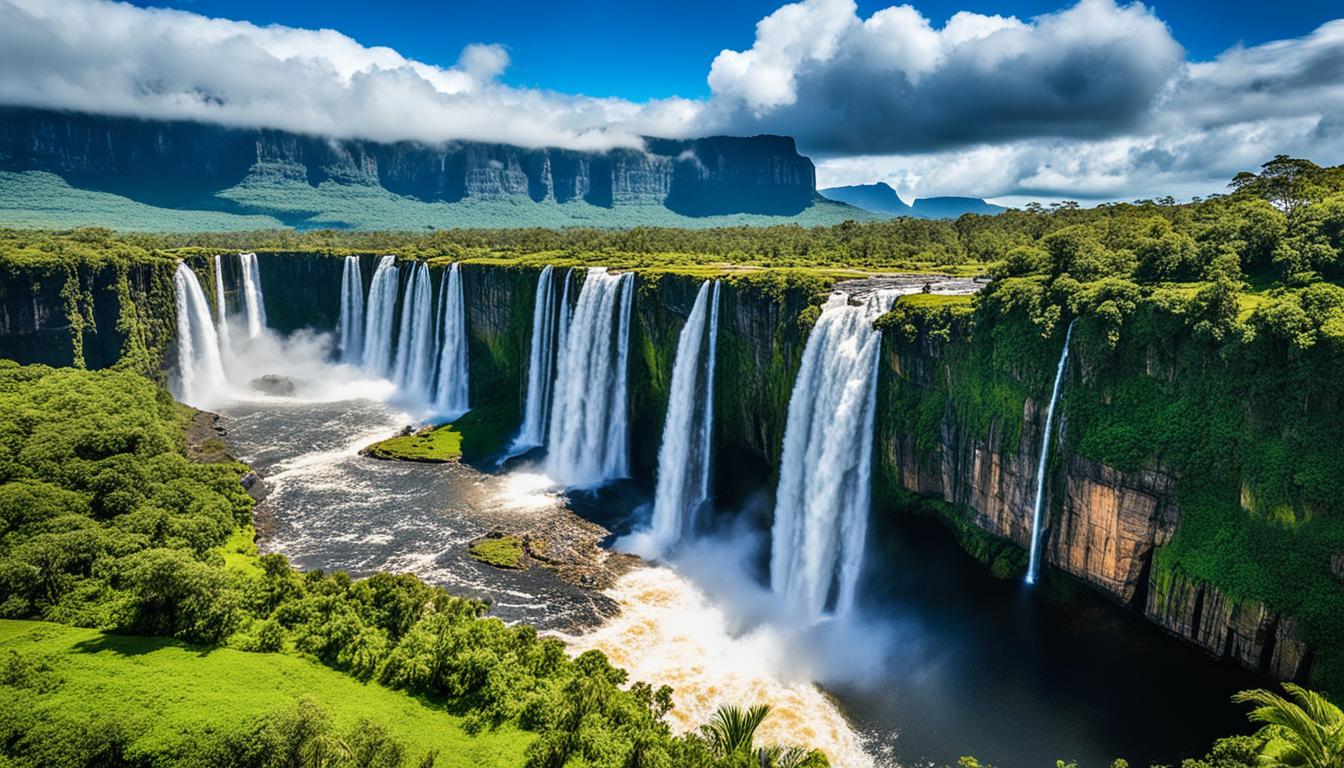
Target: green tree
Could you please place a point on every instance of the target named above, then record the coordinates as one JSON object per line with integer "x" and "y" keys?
{"x": 1302, "y": 730}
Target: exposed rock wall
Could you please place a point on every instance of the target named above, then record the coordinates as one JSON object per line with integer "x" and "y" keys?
{"x": 168, "y": 163}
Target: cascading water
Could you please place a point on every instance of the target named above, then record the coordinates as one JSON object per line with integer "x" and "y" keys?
{"x": 589, "y": 426}
{"x": 450, "y": 399}
{"x": 199, "y": 368}
{"x": 350, "y": 326}
{"x": 683, "y": 459}
{"x": 380, "y": 316}
{"x": 414, "y": 366}
{"x": 221, "y": 314}
{"x": 821, "y": 507}
{"x": 253, "y": 305}
{"x": 540, "y": 363}
{"x": 1033, "y": 568}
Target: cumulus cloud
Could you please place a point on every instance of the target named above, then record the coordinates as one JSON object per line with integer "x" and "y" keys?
{"x": 1094, "y": 101}
{"x": 893, "y": 83}
{"x": 105, "y": 57}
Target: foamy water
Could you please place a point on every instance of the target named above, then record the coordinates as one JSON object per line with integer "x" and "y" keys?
{"x": 670, "y": 633}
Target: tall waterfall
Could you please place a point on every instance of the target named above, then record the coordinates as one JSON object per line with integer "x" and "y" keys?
{"x": 253, "y": 304}
{"x": 380, "y": 317}
{"x": 350, "y": 326}
{"x": 589, "y": 427}
{"x": 413, "y": 370}
{"x": 199, "y": 368}
{"x": 821, "y": 508}
{"x": 450, "y": 399}
{"x": 540, "y": 365}
{"x": 221, "y": 313}
{"x": 1033, "y": 567}
{"x": 683, "y": 459}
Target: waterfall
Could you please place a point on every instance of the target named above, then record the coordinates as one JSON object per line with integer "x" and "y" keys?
{"x": 1033, "y": 568}
{"x": 253, "y": 303}
{"x": 414, "y": 365}
{"x": 821, "y": 507}
{"x": 199, "y": 368}
{"x": 380, "y": 316}
{"x": 539, "y": 366}
{"x": 350, "y": 327}
{"x": 451, "y": 399}
{"x": 683, "y": 459}
{"x": 589, "y": 426}
{"x": 221, "y": 321}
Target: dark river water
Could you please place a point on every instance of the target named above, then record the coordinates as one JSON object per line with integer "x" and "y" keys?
{"x": 967, "y": 665}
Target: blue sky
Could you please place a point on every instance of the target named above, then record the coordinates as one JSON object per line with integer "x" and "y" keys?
{"x": 1089, "y": 100}
{"x": 642, "y": 50}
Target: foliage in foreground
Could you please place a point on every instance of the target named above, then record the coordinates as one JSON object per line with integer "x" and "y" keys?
{"x": 105, "y": 524}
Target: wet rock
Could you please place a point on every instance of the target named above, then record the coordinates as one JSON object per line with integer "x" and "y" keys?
{"x": 274, "y": 385}
{"x": 255, "y": 486}
{"x": 1337, "y": 565}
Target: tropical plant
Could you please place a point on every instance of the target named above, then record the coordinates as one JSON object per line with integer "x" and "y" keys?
{"x": 1303, "y": 730}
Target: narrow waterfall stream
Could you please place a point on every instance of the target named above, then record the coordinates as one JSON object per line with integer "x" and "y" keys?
{"x": 380, "y": 317}
{"x": 200, "y": 371}
{"x": 450, "y": 400}
{"x": 414, "y": 362}
{"x": 254, "y": 306}
{"x": 540, "y": 366}
{"x": 221, "y": 311}
{"x": 1033, "y": 567}
{"x": 589, "y": 429}
{"x": 350, "y": 322}
{"x": 684, "y": 457}
{"x": 821, "y": 506}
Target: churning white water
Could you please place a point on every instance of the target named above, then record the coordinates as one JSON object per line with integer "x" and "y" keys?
{"x": 380, "y": 317}
{"x": 413, "y": 370}
{"x": 589, "y": 429}
{"x": 821, "y": 507}
{"x": 540, "y": 366}
{"x": 450, "y": 400}
{"x": 254, "y": 306}
{"x": 670, "y": 633}
{"x": 350, "y": 324}
{"x": 200, "y": 370}
{"x": 1033, "y": 567}
{"x": 683, "y": 458}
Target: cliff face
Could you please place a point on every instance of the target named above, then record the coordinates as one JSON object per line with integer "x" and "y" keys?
{"x": 964, "y": 431}
{"x": 174, "y": 164}
{"x": 87, "y": 315}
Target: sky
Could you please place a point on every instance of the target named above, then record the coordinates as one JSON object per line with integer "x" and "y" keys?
{"x": 1090, "y": 100}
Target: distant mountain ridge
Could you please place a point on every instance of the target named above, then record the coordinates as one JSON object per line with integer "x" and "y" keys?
{"x": 52, "y": 163}
{"x": 880, "y": 198}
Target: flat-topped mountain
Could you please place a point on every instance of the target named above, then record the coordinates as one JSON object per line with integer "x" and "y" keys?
{"x": 140, "y": 174}
{"x": 880, "y": 198}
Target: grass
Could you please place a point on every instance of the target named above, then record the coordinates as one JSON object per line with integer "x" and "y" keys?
{"x": 240, "y": 551}
{"x": 935, "y": 300}
{"x": 485, "y": 431}
{"x": 436, "y": 445}
{"x": 165, "y": 693}
{"x": 499, "y": 551}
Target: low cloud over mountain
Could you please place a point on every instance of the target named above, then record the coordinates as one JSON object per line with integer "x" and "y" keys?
{"x": 1096, "y": 101}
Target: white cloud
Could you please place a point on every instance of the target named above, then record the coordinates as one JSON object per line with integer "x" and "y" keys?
{"x": 105, "y": 57}
{"x": 1095, "y": 101}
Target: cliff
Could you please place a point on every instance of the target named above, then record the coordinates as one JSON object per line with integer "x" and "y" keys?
{"x": 1163, "y": 487}
{"x": 309, "y": 180}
